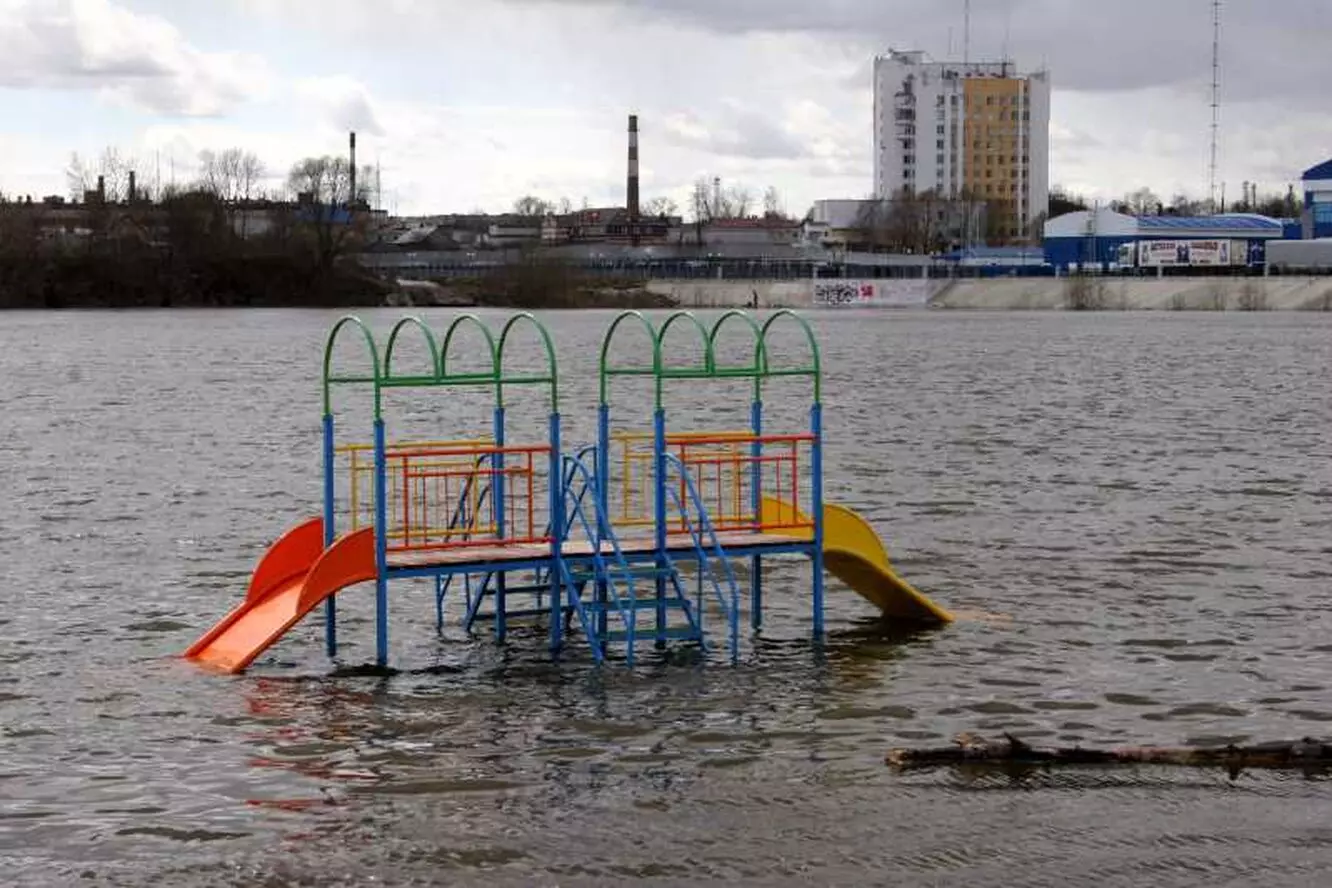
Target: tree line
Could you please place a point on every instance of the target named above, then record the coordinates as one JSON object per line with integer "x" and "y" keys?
{"x": 707, "y": 203}
{"x": 220, "y": 237}
{"x": 1145, "y": 202}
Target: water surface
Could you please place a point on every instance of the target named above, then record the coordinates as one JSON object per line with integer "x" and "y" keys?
{"x": 1147, "y": 499}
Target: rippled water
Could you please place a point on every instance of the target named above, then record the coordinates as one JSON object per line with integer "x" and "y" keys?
{"x": 1147, "y": 499}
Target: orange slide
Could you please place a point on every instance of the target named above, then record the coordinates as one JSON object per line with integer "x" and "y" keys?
{"x": 295, "y": 574}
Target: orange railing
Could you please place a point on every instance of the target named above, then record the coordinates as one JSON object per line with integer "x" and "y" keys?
{"x": 724, "y": 469}
{"x": 441, "y": 495}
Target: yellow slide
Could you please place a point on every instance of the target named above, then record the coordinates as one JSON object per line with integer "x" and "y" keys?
{"x": 853, "y": 553}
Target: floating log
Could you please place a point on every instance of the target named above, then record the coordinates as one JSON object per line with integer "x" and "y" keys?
{"x": 973, "y": 750}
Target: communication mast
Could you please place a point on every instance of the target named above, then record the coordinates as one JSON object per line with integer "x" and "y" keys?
{"x": 1216, "y": 99}
{"x": 966, "y": 33}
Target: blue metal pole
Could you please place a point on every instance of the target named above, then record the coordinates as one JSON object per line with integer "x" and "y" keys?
{"x": 557, "y": 532}
{"x": 439, "y": 602}
{"x": 816, "y": 482}
{"x": 330, "y": 533}
{"x": 603, "y": 511}
{"x": 756, "y": 495}
{"x": 659, "y": 460}
{"x": 381, "y": 548}
{"x": 497, "y": 494}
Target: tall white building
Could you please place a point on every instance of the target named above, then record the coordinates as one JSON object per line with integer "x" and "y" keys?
{"x": 974, "y": 129}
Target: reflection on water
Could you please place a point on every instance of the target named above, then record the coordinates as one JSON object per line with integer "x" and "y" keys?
{"x": 1133, "y": 515}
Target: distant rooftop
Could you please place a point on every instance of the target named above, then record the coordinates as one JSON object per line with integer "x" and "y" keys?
{"x": 1322, "y": 171}
{"x": 1224, "y": 222}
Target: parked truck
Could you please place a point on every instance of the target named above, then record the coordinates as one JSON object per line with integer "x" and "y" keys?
{"x": 1300, "y": 255}
{"x": 1179, "y": 253}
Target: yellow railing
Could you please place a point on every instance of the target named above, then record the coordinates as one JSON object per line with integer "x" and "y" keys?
{"x": 722, "y": 467}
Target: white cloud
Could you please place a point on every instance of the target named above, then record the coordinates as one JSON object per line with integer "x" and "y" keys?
{"x": 471, "y": 104}
{"x": 342, "y": 101}
{"x": 136, "y": 59}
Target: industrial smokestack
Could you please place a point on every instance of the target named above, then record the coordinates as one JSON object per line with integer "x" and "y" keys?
{"x": 631, "y": 198}
{"x": 101, "y": 189}
{"x": 130, "y": 197}
{"x": 351, "y": 194}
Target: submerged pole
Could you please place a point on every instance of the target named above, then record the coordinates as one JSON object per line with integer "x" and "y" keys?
{"x": 330, "y": 534}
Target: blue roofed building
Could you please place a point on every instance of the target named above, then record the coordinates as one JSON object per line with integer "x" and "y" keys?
{"x": 1094, "y": 237}
{"x": 1317, "y": 182}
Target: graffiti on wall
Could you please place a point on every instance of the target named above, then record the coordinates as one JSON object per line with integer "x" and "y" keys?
{"x": 897, "y": 293}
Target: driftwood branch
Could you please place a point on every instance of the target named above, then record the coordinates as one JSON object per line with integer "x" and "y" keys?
{"x": 972, "y": 750}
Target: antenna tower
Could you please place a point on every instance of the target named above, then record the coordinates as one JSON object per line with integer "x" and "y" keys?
{"x": 1216, "y": 99}
{"x": 966, "y": 33}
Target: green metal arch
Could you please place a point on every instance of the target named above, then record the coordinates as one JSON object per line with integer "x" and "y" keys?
{"x": 607, "y": 371}
{"x": 709, "y": 359}
{"x": 445, "y": 351}
{"x": 815, "y": 368}
{"x": 760, "y": 366}
{"x": 429, "y": 338}
{"x": 376, "y": 377}
{"x": 553, "y": 379}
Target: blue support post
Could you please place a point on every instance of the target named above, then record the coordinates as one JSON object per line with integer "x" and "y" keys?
{"x": 659, "y": 518}
{"x": 816, "y": 482}
{"x": 381, "y": 548}
{"x": 497, "y": 494}
{"x": 439, "y": 603}
{"x": 756, "y": 496}
{"x": 603, "y": 510}
{"x": 330, "y": 534}
{"x": 557, "y": 532}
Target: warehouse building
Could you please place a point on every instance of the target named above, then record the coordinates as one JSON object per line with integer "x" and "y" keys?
{"x": 1093, "y": 238}
{"x": 1317, "y": 183}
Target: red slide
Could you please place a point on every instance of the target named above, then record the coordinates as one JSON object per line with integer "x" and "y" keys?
{"x": 295, "y": 574}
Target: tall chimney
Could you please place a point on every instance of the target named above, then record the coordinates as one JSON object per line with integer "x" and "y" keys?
{"x": 130, "y": 197}
{"x": 351, "y": 193}
{"x": 101, "y": 189}
{"x": 631, "y": 198}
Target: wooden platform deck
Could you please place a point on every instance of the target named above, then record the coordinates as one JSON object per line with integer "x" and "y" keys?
{"x": 463, "y": 556}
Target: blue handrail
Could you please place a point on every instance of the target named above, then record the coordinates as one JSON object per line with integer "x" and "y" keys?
{"x": 730, "y": 608}
{"x": 442, "y": 588}
{"x": 577, "y": 468}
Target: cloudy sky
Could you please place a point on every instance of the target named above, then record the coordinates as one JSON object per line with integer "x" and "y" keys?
{"x": 468, "y": 104}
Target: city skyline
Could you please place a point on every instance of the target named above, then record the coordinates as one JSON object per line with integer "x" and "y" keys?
{"x": 468, "y": 106}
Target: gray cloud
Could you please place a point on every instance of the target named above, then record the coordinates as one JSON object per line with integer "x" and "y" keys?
{"x": 736, "y": 132}
{"x": 1270, "y": 50}
{"x": 98, "y": 45}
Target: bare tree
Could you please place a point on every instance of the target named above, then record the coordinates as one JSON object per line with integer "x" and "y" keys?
{"x": 531, "y": 206}
{"x": 566, "y": 206}
{"x": 660, "y": 206}
{"x": 701, "y": 207}
{"x": 1143, "y": 202}
{"x": 737, "y": 202}
{"x": 772, "y": 203}
{"x": 322, "y": 186}
{"x": 114, "y": 168}
{"x": 232, "y": 176}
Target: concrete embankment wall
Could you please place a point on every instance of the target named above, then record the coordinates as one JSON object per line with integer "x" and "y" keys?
{"x": 734, "y": 294}
{"x": 887, "y": 292}
{"x": 1192, "y": 294}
